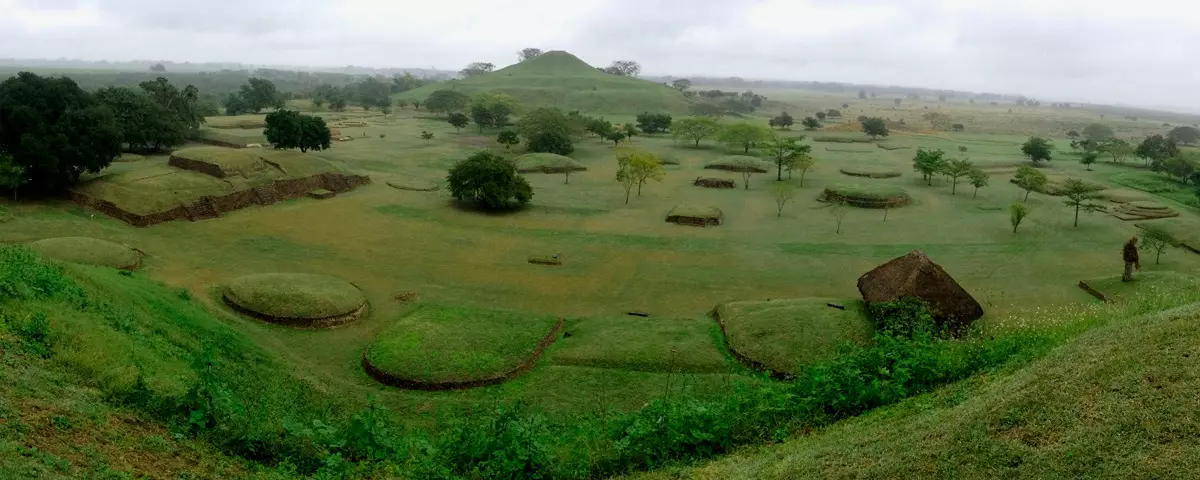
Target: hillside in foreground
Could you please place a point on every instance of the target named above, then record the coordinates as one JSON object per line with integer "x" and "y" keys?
{"x": 1117, "y": 402}
{"x": 559, "y": 79}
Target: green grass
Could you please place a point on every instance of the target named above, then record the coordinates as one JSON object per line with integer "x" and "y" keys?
{"x": 642, "y": 344}
{"x": 559, "y": 79}
{"x": 1159, "y": 185}
{"x": 248, "y": 122}
{"x": 546, "y": 163}
{"x": 833, "y": 139}
{"x": 446, "y": 343}
{"x": 294, "y": 295}
{"x": 870, "y": 172}
{"x": 876, "y": 192}
{"x": 86, "y": 250}
{"x": 785, "y": 335}
{"x": 230, "y": 138}
{"x": 738, "y": 162}
{"x": 1147, "y": 284}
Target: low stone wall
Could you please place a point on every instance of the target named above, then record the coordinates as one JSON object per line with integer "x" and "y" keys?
{"x": 197, "y": 166}
{"x": 411, "y": 384}
{"x": 285, "y": 190}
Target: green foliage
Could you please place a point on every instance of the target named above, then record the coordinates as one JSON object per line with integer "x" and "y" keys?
{"x": 492, "y": 110}
{"x": 550, "y": 142}
{"x": 1037, "y": 149}
{"x": 833, "y": 113}
{"x": 458, "y": 120}
{"x": 508, "y": 442}
{"x": 875, "y": 127}
{"x": 508, "y": 138}
{"x": 1180, "y": 167}
{"x": 810, "y": 123}
{"x": 929, "y": 163}
{"x": 783, "y": 121}
{"x": 1016, "y": 213}
{"x": 528, "y": 54}
{"x": 1030, "y": 179}
{"x": 696, "y": 128}
{"x": 654, "y": 122}
{"x": 681, "y": 84}
{"x": 1097, "y": 132}
{"x": 1088, "y": 158}
{"x": 906, "y": 318}
{"x": 447, "y": 101}
{"x": 144, "y": 125}
{"x": 1156, "y": 149}
{"x": 371, "y": 92}
{"x": 978, "y": 179}
{"x": 785, "y": 151}
{"x": 1186, "y": 135}
{"x": 956, "y": 168}
{"x": 12, "y": 176}
{"x": 490, "y": 181}
{"x": 1157, "y": 239}
{"x": 426, "y": 136}
{"x": 476, "y": 69}
{"x": 548, "y": 130}
{"x": 54, "y": 131}
{"x": 287, "y": 129}
{"x": 783, "y": 194}
{"x": 1118, "y": 148}
{"x": 744, "y": 135}
{"x": 821, "y": 116}
{"x": 1081, "y": 195}
{"x": 253, "y": 97}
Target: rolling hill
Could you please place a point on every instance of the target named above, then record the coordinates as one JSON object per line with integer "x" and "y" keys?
{"x": 559, "y": 79}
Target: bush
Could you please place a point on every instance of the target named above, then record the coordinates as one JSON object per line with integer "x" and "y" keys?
{"x": 489, "y": 180}
{"x": 550, "y": 142}
{"x": 905, "y": 318}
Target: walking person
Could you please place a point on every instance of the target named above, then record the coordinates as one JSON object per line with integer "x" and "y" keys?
{"x": 1130, "y": 254}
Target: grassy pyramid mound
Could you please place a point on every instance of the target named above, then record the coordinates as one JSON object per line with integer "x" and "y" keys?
{"x": 559, "y": 79}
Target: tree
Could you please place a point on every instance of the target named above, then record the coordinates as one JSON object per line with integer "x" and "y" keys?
{"x": 508, "y": 138}
{"x": 875, "y": 127}
{"x": 371, "y": 92}
{"x": 804, "y": 163}
{"x": 957, "y": 168}
{"x": 1180, "y": 167}
{"x": 490, "y": 181}
{"x": 290, "y": 129}
{"x": 833, "y": 113}
{"x": 143, "y": 124}
{"x": 550, "y": 142}
{"x": 744, "y": 135}
{"x": 783, "y": 194}
{"x": 548, "y": 130}
{"x": 183, "y": 105}
{"x": 821, "y": 116}
{"x": 599, "y": 127}
{"x": 1016, "y": 213}
{"x": 1037, "y": 149}
{"x": 458, "y": 120}
{"x": 12, "y": 176}
{"x": 426, "y": 136}
{"x": 782, "y": 121}
{"x": 1157, "y": 239}
{"x": 158, "y": 67}
{"x": 447, "y": 101}
{"x": 477, "y": 68}
{"x": 1072, "y": 134}
{"x": 938, "y": 121}
{"x": 958, "y": 127}
{"x": 528, "y": 54}
{"x": 615, "y": 136}
{"x": 1118, "y": 148}
{"x": 681, "y": 84}
{"x": 1088, "y": 159}
{"x": 257, "y": 94}
{"x": 978, "y": 179}
{"x": 784, "y": 151}
{"x": 1080, "y": 195}
{"x": 653, "y": 122}
{"x": 838, "y": 209}
{"x": 1155, "y": 149}
{"x": 415, "y": 103}
{"x": 624, "y": 68}
{"x": 1098, "y": 132}
{"x": 929, "y": 163}
{"x": 1029, "y": 179}
{"x": 630, "y": 131}
{"x": 747, "y": 166}
{"x": 54, "y": 131}
{"x": 696, "y": 128}
{"x": 1185, "y": 135}
{"x": 810, "y": 123}
{"x": 641, "y": 166}
{"x": 492, "y": 110}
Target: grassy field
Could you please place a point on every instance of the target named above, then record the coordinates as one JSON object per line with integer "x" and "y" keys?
{"x": 786, "y": 335}
{"x": 90, "y": 251}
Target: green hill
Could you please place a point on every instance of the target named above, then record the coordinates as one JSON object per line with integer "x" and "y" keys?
{"x": 559, "y": 79}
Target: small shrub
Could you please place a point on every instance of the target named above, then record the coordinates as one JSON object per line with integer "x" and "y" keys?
{"x": 34, "y": 333}
{"x": 907, "y": 317}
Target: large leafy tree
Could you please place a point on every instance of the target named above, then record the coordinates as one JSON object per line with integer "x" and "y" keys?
{"x": 956, "y": 168}
{"x": 548, "y": 130}
{"x": 458, "y": 121}
{"x": 54, "y": 131}
{"x": 290, "y": 129}
{"x": 696, "y": 128}
{"x": 492, "y": 110}
{"x": 681, "y": 84}
{"x": 783, "y": 121}
{"x": 490, "y": 181}
{"x": 785, "y": 151}
{"x": 1117, "y": 148}
{"x": 1029, "y": 179}
{"x": 875, "y": 127}
{"x": 508, "y": 138}
{"x": 253, "y": 97}
{"x": 477, "y": 68}
{"x": 1037, "y": 149}
{"x": 183, "y": 104}
{"x": 810, "y": 123}
{"x": 978, "y": 179}
{"x": 745, "y": 135}
{"x": 929, "y": 163}
{"x": 1155, "y": 149}
{"x": 624, "y": 68}
{"x": 636, "y": 167}
{"x": 528, "y": 54}
{"x": 653, "y": 122}
{"x": 447, "y": 101}
{"x": 144, "y": 125}
{"x": 1098, "y": 131}
{"x": 1185, "y": 135}
{"x": 372, "y": 93}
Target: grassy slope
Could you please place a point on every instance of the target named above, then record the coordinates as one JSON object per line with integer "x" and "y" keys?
{"x": 294, "y": 295}
{"x": 559, "y": 79}
{"x": 1118, "y": 402}
{"x": 87, "y": 250}
{"x": 788, "y": 334}
{"x": 642, "y": 344}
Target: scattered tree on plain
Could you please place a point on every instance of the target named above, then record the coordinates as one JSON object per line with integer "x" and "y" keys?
{"x": 783, "y": 121}
{"x": 1157, "y": 239}
{"x": 1080, "y": 195}
{"x": 288, "y": 129}
{"x": 1072, "y": 134}
{"x": 681, "y": 84}
{"x": 158, "y": 67}
{"x": 415, "y": 103}
{"x": 528, "y": 54}
{"x": 490, "y": 181}
{"x": 371, "y": 92}
{"x": 476, "y": 69}
{"x": 143, "y": 124}
{"x": 803, "y": 163}
{"x": 1016, "y": 213}
{"x": 744, "y": 135}
{"x": 978, "y": 179}
{"x": 615, "y": 136}
{"x": 962, "y": 148}
{"x": 1098, "y": 131}
{"x": 653, "y": 122}
{"x": 783, "y": 193}
{"x": 696, "y": 128}
{"x": 624, "y": 68}
{"x": 492, "y": 110}
{"x": 636, "y": 167}
{"x": 810, "y": 123}
{"x": 785, "y": 151}
{"x": 547, "y": 130}
{"x": 1088, "y": 159}
{"x": 458, "y": 120}
{"x": 929, "y": 163}
{"x": 257, "y": 94}
{"x": 54, "y": 131}
{"x": 956, "y": 168}
{"x": 1118, "y": 148}
{"x": 838, "y": 209}
{"x": 1156, "y": 149}
{"x": 508, "y": 138}
{"x": 1185, "y": 135}
{"x": 833, "y": 113}
{"x": 426, "y": 136}
{"x": 896, "y": 102}
{"x": 1037, "y": 149}
{"x": 746, "y": 166}
{"x": 630, "y": 131}
{"x": 875, "y": 127}
{"x": 447, "y": 101}
{"x": 1030, "y": 179}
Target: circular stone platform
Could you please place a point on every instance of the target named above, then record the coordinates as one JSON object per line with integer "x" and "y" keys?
{"x": 89, "y": 251}
{"x": 296, "y": 299}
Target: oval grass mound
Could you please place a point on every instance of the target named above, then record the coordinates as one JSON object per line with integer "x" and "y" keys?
{"x": 866, "y": 196}
{"x": 297, "y": 299}
{"x": 90, "y": 251}
{"x": 739, "y": 163}
{"x": 782, "y": 336}
{"x": 547, "y": 163}
{"x": 442, "y": 347}
{"x": 869, "y": 172}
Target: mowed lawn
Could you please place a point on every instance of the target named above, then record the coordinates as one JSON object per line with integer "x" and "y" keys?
{"x": 617, "y": 257}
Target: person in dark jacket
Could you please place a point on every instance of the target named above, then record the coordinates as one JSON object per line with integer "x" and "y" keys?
{"x": 1130, "y": 254}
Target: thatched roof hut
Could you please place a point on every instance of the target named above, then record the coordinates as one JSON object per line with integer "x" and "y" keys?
{"x": 697, "y": 216}
{"x": 916, "y": 276}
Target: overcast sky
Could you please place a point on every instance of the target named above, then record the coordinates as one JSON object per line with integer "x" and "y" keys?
{"x": 1142, "y": 52}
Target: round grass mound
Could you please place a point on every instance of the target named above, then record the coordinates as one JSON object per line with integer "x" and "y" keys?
{"x": 782, "y": 336}
{"x": 90, "y": 251}
{"x": 866, "y": 196}
{"x": 547, "y": 163}
{"x": 869, "y": 172}
{"x": 297, "y": 299}
{"x": 740, "y": 163}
